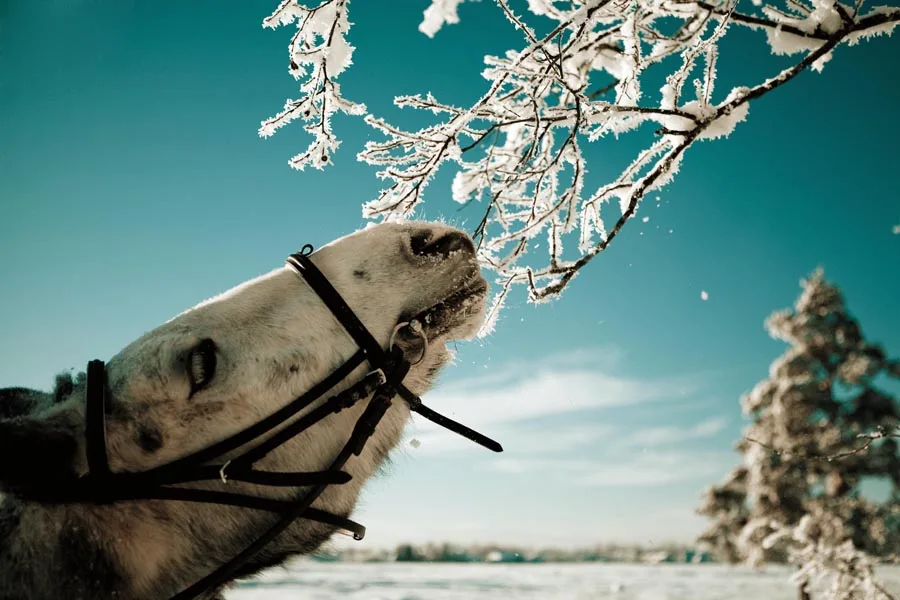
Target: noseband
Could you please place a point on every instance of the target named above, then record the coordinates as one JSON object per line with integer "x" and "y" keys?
{"x": 385, "y": 381}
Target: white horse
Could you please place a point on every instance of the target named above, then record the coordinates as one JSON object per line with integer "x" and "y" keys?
{"x": 206, "y": 374}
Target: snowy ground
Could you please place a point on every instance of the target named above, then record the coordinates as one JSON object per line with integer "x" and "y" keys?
{"x": 405, "y": 581}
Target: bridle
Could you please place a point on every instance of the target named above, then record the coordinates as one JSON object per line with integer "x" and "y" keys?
{"x": 385, "y": 381}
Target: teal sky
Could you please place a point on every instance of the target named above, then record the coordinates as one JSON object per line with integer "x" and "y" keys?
{"x": 133, "y": 185}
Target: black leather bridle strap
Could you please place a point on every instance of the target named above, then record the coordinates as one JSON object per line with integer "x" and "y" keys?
{"x": 110, "y": 487}
{"x": 95, "y": 421}
{"x": 240, "y": 469}
{"x": 272, "y": 505}
{"x": 364, "y": 428}
{"x": 308, "y": 271}
{"x": 335, "y": 405}
{"x": 262, "y": 427}
{"x": 416, "y": 406}
{"x": 227, "y": 473}
{"x": 311, "y": 274}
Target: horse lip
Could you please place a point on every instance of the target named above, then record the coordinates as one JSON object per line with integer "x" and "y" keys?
{"x": 438, "y": 318}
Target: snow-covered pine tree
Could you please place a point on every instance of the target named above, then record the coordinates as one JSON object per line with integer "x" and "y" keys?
{"x": 726, "y": 506}
{"x": 822, "y": 424}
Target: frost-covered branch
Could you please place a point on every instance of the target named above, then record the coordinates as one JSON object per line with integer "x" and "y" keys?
{"x": 520, "y": 147}
{"x": 867, "y": 438}
{"x": 539, "y": 112}
{"x": 318, "y": 53}
{"x": 848, "y": 573}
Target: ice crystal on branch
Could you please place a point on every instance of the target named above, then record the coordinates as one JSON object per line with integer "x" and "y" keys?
{"x": 519, "y": 148}
{"x": 440, "y": 12}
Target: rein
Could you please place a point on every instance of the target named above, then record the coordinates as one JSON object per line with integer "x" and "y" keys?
{"x": 385, "y": 381}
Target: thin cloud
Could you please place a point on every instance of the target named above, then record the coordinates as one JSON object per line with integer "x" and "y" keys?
{"x": 535, "y": 437}
{"x": 529, "y": 391}
{"x": 604, "y": 359}
{"x": 515, "y": 438}
{"x": 659, "y": 436}
{"x": 639, "y": 470}
{"x": 514, "y": 403}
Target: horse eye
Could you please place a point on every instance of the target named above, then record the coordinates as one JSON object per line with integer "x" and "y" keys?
{"x": 201, "y": 365}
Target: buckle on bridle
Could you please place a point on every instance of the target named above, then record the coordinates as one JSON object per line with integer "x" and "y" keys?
{"x": 222, "y": 474}
{"x": 382, "y": 378}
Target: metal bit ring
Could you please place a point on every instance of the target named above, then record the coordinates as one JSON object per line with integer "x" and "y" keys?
{"x": 416, "y": 328}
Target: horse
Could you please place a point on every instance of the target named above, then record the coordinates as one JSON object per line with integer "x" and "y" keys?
{"x": 207, "y": 374}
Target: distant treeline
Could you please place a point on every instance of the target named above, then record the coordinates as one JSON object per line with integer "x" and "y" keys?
{"x": 511, "y": 554}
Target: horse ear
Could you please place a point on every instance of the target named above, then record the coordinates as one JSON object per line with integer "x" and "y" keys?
{"x": 17, "y": 401}
{"x": 65, "y": 384}
{"x": 37, "y": 454}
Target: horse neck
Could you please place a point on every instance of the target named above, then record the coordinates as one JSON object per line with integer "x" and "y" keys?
{"x": 38, "y": 551}
{"x": 76, "y": 551}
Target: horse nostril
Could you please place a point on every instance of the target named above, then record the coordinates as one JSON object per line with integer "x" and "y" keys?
{"x": 419, "y": 242}
{"x": 451, "y": 242}
{"x": 424, "y": 244}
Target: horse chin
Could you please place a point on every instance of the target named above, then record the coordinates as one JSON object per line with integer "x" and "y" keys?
{"x": 457, "y": 316}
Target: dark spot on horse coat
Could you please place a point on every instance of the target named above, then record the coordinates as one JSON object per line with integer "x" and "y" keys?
{"x": 287, "y": 367}
{"x": 361, "y": 274}
{"x": 149, "y": 438}
{"x": 203, "y": 410}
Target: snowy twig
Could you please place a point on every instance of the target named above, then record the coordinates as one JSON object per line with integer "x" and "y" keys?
{"x": 321, "y": 43}
{"x": 851, "y": 571}
{"x": 879, "y": 434}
